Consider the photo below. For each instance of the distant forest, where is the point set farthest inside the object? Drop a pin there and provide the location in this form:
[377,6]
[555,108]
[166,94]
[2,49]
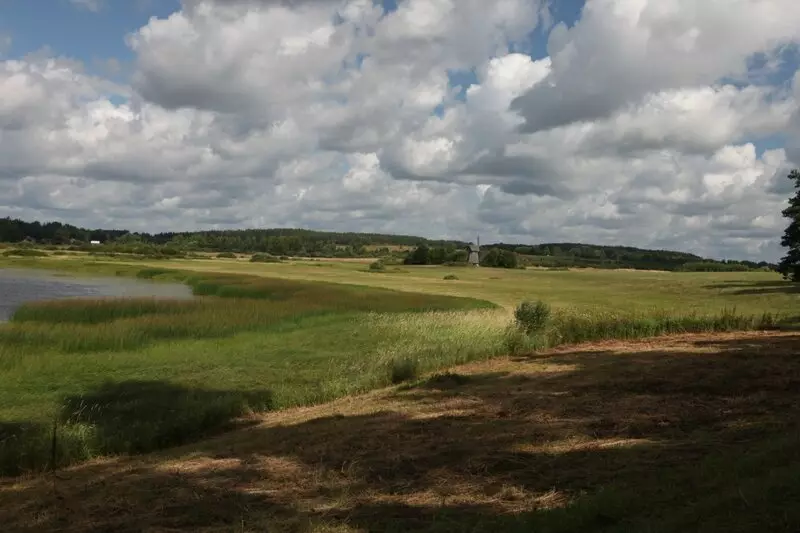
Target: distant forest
[402,248]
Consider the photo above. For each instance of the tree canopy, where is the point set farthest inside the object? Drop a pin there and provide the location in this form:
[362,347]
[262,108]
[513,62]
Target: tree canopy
[789,266]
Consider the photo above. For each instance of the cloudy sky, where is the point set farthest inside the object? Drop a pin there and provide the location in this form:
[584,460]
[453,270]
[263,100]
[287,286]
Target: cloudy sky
[654,123]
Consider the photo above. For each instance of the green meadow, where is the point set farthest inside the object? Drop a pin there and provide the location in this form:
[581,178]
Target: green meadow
[83,378]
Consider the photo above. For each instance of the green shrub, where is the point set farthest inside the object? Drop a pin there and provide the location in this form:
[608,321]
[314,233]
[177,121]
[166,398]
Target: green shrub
[226,255]
[264,258]
[450,277]
[532,317]
[377,266]
[403,369]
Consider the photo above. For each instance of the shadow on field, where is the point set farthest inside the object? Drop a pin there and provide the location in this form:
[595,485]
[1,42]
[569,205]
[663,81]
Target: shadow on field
[743,288]
[697,436]
[141,416]
[125,418]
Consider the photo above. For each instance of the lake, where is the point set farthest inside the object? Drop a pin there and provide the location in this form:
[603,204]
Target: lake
[18,286]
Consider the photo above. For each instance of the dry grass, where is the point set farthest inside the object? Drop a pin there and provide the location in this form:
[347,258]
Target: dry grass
[687,433]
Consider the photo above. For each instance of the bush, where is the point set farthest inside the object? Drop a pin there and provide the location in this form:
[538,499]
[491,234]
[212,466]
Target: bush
[377,266]
[404,369]
[532,317]
[226,255]
[450,277]
[264,258]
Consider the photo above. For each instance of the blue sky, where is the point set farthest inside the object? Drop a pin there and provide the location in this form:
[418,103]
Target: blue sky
[77,32]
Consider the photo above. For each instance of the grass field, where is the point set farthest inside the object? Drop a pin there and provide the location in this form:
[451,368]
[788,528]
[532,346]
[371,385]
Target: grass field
[121,377]
[693,433]
[131,375]
[618,291]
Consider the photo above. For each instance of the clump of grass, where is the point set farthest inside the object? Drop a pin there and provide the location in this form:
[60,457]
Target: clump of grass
[264,258]
[403,369]
[532,317]
[226,255]
[150,273]
[516,341]
[450,277]
[24,252]
[377,266]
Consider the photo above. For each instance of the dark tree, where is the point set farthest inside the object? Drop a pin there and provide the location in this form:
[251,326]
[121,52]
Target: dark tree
[499,258]
[790,264]
[420,256]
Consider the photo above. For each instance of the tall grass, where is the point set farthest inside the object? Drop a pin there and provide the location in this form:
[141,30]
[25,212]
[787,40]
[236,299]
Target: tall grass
[230,304]
[572,326]
[438,339]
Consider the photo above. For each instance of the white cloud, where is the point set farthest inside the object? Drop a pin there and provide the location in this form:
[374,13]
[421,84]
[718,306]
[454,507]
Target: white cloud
[336,115]
[89,5]
[623,50]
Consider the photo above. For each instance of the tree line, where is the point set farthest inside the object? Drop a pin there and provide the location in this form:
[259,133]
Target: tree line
[402,248]
[571,255]
[274,241]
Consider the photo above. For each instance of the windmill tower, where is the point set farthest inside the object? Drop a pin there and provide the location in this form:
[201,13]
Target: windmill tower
[475,253]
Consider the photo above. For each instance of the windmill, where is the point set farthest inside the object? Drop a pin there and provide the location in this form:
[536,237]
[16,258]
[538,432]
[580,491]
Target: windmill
[475,253]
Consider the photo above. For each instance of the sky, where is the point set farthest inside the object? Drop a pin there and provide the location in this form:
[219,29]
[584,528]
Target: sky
[668,124]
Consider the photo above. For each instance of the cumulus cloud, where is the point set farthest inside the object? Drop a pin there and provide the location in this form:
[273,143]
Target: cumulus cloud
[623,50]
[641,125]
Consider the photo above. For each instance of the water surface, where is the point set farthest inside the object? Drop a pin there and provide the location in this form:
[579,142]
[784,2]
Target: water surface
[18,286]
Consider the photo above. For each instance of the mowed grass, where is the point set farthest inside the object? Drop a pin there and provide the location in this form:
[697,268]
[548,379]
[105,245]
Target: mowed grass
[691,433]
